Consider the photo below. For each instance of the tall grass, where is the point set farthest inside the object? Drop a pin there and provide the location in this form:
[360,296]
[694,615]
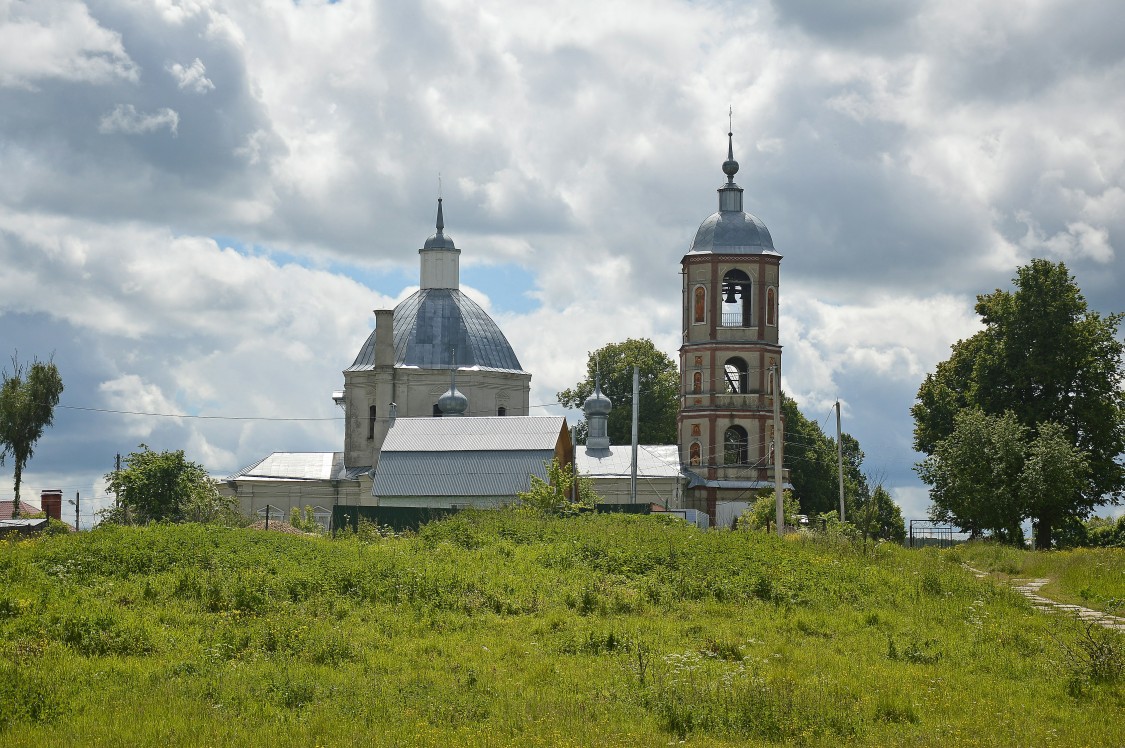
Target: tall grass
[504,628]
[1093,577]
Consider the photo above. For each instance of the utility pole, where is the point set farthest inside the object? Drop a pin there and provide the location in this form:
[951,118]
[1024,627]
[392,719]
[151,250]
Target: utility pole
[840,459]
[777,442]
[117,476]
[77,500]
[574,465]
[636,418]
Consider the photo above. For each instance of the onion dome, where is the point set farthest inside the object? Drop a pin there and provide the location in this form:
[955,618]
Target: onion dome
[597,404]
[452,403]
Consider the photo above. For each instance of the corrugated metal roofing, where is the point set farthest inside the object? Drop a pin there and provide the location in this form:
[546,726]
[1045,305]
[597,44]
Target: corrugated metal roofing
[294,466]
[452,474]
[653,461]
[488,433]
[433,322]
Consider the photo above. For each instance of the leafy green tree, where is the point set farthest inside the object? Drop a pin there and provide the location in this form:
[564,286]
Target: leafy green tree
[811,458]
[1046,358]
[762,514]
[556,495]
[659,391]
[154,486]
[975,475]
[1054,474]
[28,397]
[879,517]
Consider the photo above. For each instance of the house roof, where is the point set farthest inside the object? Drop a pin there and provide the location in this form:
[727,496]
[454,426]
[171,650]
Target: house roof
[653,461]
[26,507]
[484,434]
[459,473]
[291,466]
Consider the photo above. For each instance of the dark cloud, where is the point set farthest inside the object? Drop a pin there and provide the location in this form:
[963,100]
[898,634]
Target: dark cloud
[905,157]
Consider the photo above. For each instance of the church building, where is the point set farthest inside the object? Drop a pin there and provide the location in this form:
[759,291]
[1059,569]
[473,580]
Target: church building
[730,360]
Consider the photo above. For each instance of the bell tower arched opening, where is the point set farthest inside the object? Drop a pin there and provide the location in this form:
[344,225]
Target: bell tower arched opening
[736,307]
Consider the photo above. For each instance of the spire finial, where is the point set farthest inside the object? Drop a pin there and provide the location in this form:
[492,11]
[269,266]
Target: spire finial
[440,218]
[730,166]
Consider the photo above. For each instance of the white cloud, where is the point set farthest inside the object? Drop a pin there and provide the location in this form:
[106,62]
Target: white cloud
[49,39]
[192,77]
[905,158]
[125,118]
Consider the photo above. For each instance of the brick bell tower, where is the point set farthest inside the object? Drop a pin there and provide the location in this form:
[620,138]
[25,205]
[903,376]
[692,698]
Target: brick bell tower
[730,347]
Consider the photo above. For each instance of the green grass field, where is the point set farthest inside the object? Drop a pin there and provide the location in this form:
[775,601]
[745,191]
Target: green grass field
[502,628]
[1092,577]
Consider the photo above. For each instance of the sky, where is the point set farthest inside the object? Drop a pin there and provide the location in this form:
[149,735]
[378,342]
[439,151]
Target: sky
[202,202]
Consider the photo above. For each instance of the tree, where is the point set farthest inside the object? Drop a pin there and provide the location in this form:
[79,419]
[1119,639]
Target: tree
[1044,356]
[659,391]
[557,494]
[1053,476]
[762,514]
[154,486]
[975,474]
[879,517]
[811,458]
[27,406]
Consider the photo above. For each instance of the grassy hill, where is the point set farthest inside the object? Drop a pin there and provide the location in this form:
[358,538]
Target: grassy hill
[500,628]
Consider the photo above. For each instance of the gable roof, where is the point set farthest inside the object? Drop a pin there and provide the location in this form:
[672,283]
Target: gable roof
[26,507]
[476,434]
[294,466]
[452,474]
[653,461]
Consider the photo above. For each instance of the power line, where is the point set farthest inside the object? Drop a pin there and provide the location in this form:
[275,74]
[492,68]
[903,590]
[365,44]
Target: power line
[186,415]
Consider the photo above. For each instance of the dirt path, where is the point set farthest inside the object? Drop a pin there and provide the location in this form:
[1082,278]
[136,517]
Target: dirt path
[1029,588]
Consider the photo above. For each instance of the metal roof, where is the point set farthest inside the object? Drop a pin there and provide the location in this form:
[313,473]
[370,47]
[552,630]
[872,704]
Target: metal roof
[479,473]
[488,433]
[733,232]
[431,323]
[653,461]
[294,466]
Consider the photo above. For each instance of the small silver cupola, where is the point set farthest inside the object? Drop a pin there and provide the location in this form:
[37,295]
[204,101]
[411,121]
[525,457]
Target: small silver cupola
[453,403]
[597,408]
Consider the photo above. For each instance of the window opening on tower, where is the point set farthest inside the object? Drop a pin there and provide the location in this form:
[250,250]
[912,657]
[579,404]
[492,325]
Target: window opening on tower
[736,441]
[736,299]
[738,376]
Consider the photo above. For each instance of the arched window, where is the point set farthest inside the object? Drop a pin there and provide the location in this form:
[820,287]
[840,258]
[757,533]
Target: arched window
[738,376]
[700,314]
[501,411]
[735,443]
[771,306]
[697,382]
[736,299]
[371,422]
[695,454]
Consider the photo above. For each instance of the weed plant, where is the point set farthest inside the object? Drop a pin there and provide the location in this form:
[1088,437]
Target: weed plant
[507,628]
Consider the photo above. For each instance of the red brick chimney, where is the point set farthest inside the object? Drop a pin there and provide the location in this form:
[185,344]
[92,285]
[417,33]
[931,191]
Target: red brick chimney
[51,501]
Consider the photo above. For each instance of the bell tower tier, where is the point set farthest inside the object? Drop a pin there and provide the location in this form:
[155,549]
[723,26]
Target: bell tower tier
[730,360]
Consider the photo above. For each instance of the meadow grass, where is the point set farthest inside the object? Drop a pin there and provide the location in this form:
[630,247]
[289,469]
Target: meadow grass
[1092,577]
[504,628]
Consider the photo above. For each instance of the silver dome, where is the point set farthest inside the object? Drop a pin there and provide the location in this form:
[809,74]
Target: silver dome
[597,404]
[453,403]
[430,324]
[732,232]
